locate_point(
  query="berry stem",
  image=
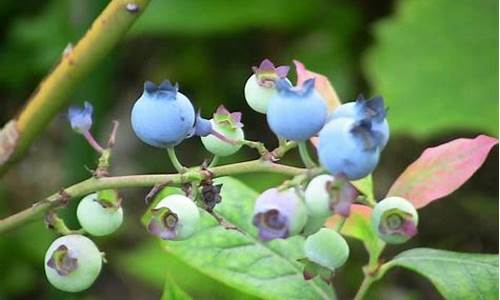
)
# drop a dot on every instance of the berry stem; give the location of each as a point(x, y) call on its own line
point(340, 224)
point(214, 162)
point(94, 184)
point(304, 155)
point(263, 152)
point(175, 161)
point(92, 142)
point(58, 225)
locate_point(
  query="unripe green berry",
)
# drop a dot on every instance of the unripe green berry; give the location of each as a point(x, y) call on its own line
point(327, 248)
point(222, 148)
point(395, 220)
point(175, 217)
point(95, 218)
point(317, 197)
point(72, 263)
point(258, 96)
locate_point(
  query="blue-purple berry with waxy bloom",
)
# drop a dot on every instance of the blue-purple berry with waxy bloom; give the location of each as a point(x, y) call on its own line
point(327, 248)
point(349, 148)
point(226, 133)
point(162, 117)
point(175, 217)
point(100, 213)
point(260, 87)
point(279, 214)
point(395, 220)
point(296, 113)
point(373, 110)
point(326, 195)
point(72, 263)
point(80, 118)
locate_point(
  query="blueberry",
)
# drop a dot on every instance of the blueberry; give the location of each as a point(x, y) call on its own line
point(97, 217)
point(260, 87)
point(348, 148)
point(72, 263)
point(373, 109)
point(296, 113)
point(279, 214)
point(80, 118)
point(327, 248)
point(162, 117)
point(326, 195)
point(175, 217)
point(229, 126)
point(395, 220)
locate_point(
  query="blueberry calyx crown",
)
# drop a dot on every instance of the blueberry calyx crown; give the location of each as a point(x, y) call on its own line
point(342, 194)
point(271, 224)
point(267, 73)
point(164, 223)
point(284, 87)
point(63, 261)
point(397, 222)
point(165, 90)
point(370, 139)
point(226, 119)
point(372, 109)
point(109, 199)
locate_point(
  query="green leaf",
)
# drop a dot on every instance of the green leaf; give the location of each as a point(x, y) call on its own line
point(436, 64)
point(456, 275)
point(267, 270)
point(171, 291)
point(365, 186)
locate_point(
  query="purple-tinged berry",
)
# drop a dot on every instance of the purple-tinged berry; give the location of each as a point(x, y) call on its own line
point(260, 87)
point(80, 118)
point(175, 217)
point(100, 213)
point(72, 263)
point(326, 195)
point(373, 110)
point(348, 148)
point(327, 248)
point(395, 220)
point(226, 134)
point(296, 113)
point(279, 214)
point(162, 117)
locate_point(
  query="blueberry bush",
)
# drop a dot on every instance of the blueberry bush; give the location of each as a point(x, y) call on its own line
point(294, 239)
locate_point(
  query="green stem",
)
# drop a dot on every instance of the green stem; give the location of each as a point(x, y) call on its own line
point(304, 155)
point(96, 184)
point(214, 162)
point(175, 161)
point(365, 285)
point(340, 224)
point(76, 63)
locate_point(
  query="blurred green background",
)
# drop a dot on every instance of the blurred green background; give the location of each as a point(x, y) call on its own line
point(435, 62)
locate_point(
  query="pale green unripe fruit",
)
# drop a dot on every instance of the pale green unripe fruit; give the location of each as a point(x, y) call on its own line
point(187, 213)
point(88, 263)
point(395, 207)
point(258, 96)
point(327, 248)
point(222, 148)
point(96, 219)
point(317, 198)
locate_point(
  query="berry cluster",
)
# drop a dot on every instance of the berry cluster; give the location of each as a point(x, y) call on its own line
point(351, 139)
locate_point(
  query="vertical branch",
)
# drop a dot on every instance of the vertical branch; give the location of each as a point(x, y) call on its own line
point(56, 89)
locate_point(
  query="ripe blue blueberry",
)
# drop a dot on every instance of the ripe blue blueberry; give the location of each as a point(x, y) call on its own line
point(348, 148)
point(279, 214)
point(373, 110)
point(327, 248)
point(395, 220)
point(226, 133)
point(81, 118)
point(175, 217)
point(72, 263)
point(260, 87)
point(162, 117)
point(99, 215)
point(296, 113)
point(326, 195)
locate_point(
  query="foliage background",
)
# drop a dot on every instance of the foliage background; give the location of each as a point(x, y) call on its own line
point(434, 61)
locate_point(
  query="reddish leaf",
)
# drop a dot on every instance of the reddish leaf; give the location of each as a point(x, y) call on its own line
point(322, 84)
point(441, 170)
